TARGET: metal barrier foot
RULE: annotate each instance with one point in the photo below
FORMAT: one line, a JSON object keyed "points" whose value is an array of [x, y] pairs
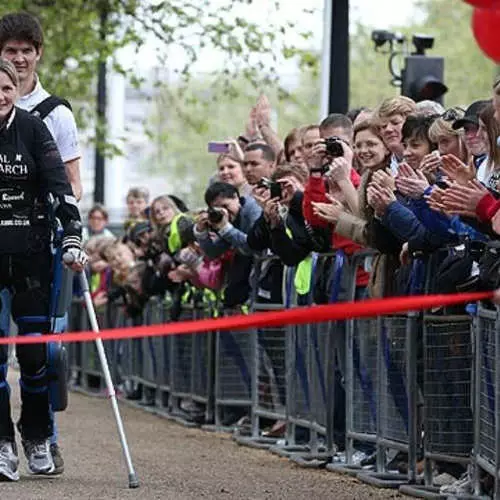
{"points": [[350, 470], [313, 461], [263, 443], [287, 450], [182, 418], [422, 491], [383, 479], [218, 428], [432, 492]]}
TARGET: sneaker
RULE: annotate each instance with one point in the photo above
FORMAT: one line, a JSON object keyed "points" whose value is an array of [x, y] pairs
{"points": [[57, 458], [9, 461], [369, 461], [39, 457], [358, 456], [444, 479], [462, 486]]}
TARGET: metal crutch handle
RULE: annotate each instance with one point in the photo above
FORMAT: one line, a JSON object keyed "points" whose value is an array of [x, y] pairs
{"points": [[133, 482]]}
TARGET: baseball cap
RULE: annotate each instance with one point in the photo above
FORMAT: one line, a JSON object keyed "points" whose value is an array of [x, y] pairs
{"points": [[138, 229], [471, 114]]}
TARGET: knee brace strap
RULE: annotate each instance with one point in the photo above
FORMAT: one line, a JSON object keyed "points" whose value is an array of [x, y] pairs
{"points": [[37, 382], [32, 324], [34, 384]]}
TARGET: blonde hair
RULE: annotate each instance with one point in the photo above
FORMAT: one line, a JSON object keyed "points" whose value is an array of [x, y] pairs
{"points": [[229, 156], [368, 124], [98, 243], [10, 70], [106, 247], [235, 154], [399, 105], [441, 128], [163, 199]]}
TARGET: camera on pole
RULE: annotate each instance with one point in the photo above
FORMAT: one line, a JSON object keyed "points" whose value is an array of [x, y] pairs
{"points": [[421, 76]]}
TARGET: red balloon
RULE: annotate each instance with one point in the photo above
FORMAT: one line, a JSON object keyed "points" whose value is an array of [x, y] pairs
{"points": [[483, 4], [485, 26]]}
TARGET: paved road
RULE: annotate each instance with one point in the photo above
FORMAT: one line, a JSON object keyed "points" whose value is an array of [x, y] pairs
{"points": [[172, 463]]}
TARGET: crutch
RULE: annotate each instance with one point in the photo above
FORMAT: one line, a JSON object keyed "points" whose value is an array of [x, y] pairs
{"points": [[133, 482]]}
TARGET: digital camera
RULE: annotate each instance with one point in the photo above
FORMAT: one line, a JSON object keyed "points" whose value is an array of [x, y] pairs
{"points": [[334, 147], [215, 215], [274, 187]]}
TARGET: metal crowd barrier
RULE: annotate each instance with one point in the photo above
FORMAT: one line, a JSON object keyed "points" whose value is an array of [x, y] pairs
{"points": [[361, 380], [271, 351], [191, 367], [397, 391], [486, 401], [84, 366], [288, 375], [311, 374], [234, 372]]}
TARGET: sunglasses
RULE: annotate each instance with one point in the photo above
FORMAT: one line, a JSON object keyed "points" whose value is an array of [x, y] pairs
{"points": [[453, 114]]}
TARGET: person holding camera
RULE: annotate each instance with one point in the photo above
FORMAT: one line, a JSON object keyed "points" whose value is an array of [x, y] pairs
{"points": [[223, 228], [332, 178], [229, 217], [281, 227]]}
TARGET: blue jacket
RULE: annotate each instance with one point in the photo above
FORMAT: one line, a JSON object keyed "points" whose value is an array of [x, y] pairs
{"points": [[427, 230], [440, 223], [232, 235]]}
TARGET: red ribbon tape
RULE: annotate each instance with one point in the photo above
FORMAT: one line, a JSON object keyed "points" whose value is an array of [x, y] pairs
{"points": [[295, 316]]}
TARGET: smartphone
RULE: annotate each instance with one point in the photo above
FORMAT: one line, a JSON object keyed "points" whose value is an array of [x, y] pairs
{"points": [[275, 190], [219, 147]]}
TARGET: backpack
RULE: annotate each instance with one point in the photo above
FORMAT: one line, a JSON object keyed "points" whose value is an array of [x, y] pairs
{"points": [[42, 109]]}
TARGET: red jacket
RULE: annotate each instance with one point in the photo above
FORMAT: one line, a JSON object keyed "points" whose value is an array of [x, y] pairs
{"points": [[316, 191], [487, 207]]}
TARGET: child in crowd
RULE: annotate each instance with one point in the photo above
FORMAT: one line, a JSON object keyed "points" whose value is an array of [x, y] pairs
{"points": [[100, 271], [137, 206]]}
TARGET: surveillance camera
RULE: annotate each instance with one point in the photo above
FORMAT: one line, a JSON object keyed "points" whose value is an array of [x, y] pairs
{"points": [[381, 37], [422, 43]]}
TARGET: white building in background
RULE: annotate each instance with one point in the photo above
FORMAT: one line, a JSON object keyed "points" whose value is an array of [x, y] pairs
{"points": [[128, 110]]}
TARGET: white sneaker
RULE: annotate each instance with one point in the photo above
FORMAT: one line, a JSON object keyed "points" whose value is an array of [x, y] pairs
{"points": [[444, 479], [462, 486], [358, 456], [9, 461], [39, 457]]}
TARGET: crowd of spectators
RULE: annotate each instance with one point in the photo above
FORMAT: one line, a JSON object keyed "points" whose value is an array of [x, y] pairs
{"points": [[403, 179]]}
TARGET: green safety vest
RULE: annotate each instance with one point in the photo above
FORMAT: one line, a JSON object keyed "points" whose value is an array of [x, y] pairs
{"points": [[303, 273], [174, 238]]}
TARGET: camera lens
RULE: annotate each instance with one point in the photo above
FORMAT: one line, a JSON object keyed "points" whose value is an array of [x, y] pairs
{"points": [[215, 216], [334, 147]]}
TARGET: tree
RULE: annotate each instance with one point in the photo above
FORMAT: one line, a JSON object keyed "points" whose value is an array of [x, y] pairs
{"points": [[205, 113], [181, 128], [74, 46]]}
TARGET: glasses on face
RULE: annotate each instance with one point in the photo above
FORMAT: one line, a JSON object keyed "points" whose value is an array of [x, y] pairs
{"points": [[453, 114]]}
